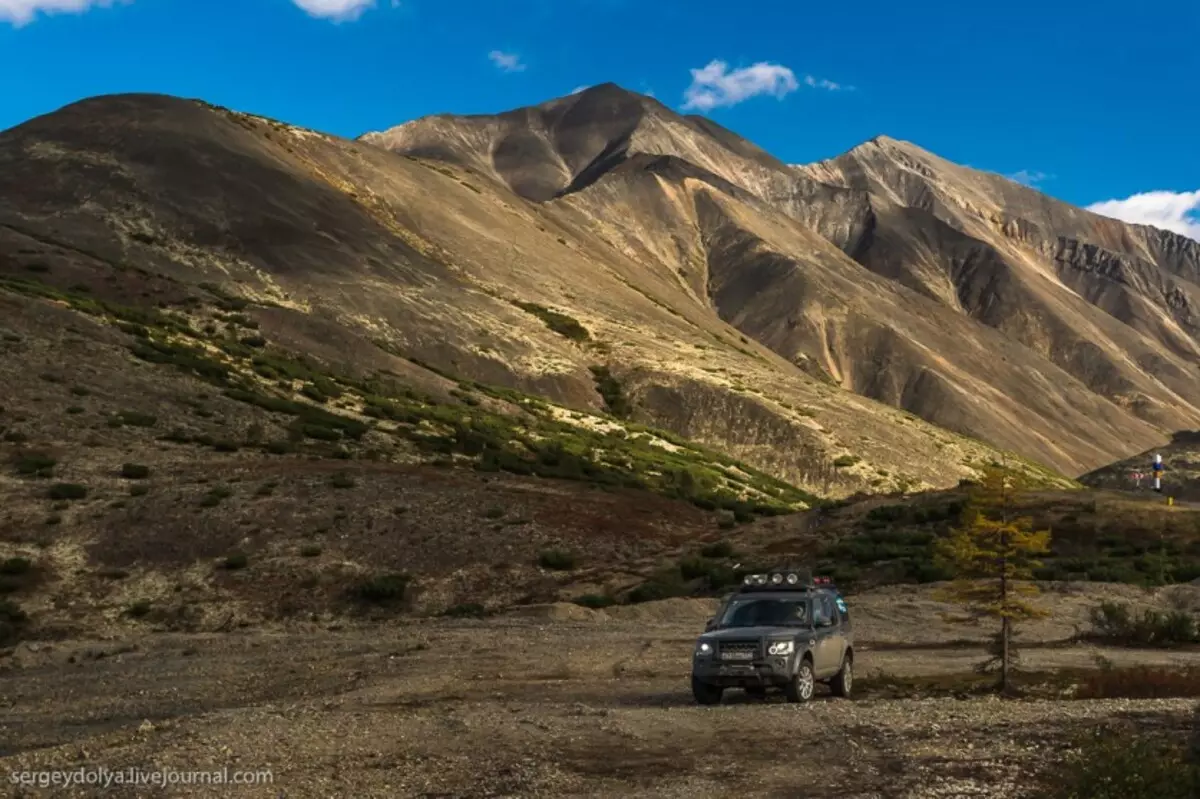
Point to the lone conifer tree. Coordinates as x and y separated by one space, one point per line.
993 554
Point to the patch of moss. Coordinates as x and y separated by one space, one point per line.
560 323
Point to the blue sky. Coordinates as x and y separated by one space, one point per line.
1091 102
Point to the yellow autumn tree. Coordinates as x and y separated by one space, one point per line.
992 555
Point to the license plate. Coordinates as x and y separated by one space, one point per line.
737 656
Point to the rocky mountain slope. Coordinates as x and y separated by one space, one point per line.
984 306
433 274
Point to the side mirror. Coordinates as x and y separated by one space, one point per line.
708 625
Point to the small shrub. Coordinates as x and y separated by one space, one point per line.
1140 682
385 589
342 480
74 410
595 601
557 560
466 610
134 471
215 496
139 490
139 609
719 549
310 551
1122 764
235 561
15 567
560 323
35 465
80 391
13 621
137 419
1116 622
67 491
662 586
844 461
494 513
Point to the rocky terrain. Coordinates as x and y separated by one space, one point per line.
561 701
406 458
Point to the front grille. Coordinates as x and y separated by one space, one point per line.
738 650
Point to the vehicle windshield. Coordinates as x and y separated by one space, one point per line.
765 612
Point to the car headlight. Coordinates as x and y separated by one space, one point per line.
703 648
782 648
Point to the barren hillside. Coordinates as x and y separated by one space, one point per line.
966 299
363 260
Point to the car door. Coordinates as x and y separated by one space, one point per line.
827 649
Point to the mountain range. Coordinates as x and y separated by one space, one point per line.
884 319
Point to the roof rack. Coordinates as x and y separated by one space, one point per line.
784 579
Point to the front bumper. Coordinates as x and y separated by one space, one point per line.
773 670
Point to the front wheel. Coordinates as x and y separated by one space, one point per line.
843 681
802 685
706 693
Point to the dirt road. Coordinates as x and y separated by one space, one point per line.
521 707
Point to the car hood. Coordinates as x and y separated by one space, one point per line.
745 633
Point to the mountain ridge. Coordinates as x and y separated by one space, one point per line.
674 232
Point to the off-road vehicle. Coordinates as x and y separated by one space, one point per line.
782 629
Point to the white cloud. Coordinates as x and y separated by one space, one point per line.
827 85
337 10
22 12
1178 212
508 62
714 86
1029 178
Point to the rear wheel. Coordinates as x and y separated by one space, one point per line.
706 693
843 681
802 685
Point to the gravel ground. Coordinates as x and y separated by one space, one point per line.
519 707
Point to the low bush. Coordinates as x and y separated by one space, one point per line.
134 471
35 464
1123 764
595 601
384 589
1140 682
63 491
557 560
1116 622
13 622
466 610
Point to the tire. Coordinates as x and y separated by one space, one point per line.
803 684
843 681
706 693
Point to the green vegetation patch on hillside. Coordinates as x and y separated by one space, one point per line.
529 442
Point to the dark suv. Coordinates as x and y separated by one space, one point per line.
782 629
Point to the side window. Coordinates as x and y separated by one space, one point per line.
822 611
830 611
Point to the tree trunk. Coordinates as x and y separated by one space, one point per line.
1005 630
1005 621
